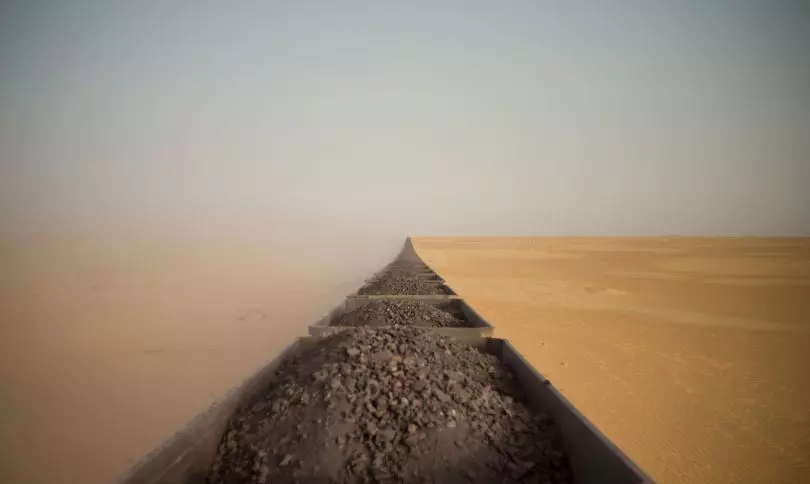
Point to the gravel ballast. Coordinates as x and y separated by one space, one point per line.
396 404
399 312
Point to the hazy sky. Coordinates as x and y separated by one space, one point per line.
473 117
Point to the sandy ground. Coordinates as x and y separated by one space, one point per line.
110 341
691 354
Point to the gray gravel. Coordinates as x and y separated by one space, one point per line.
407 313
390 405
402 283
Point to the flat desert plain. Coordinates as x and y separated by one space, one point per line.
111 340
691 354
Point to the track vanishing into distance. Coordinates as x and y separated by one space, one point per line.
403 382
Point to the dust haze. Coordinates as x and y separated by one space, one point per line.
185 186
529 118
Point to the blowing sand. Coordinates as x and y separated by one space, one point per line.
112 340
691 354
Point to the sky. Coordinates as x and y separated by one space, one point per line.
419 117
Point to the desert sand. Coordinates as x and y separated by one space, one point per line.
110 340
691 354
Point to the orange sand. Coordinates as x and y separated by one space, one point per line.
691 354
110 342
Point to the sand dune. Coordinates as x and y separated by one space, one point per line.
690 353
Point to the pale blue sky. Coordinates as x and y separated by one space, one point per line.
471 117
